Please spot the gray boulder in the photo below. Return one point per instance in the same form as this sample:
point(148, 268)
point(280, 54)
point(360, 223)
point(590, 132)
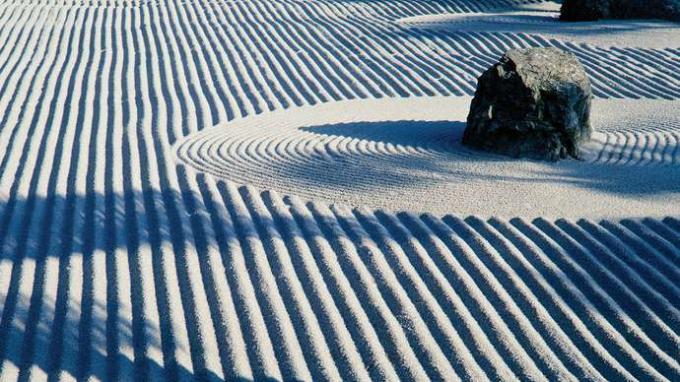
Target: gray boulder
point(534, 103)
point(589, 10)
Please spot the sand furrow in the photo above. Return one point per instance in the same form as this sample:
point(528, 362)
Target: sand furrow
point(323, 221)
point(318, 150)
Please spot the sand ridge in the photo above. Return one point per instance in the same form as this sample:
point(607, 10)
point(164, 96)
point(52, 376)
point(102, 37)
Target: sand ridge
point(406, 154)
point(543, 20)
point(119, 263)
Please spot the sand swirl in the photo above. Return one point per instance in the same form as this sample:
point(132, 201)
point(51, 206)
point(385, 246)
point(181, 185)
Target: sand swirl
point(118, 264)
point(406, 154)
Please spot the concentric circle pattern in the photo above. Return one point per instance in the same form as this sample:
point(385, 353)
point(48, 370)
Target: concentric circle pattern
point(119, 263)
point(406, 154)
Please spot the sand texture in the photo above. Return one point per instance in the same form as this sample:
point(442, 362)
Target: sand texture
point(207, 190)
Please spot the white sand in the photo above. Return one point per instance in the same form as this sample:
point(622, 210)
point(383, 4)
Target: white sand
point(543, 20)
point(406, 155)
point(117, 262)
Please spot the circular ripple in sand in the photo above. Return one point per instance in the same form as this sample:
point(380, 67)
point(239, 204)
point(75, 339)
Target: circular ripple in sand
point(405, 154)
point(544, 21)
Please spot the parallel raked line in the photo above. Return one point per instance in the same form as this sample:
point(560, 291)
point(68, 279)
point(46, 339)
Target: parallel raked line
point(116, 264)
point(23, 268)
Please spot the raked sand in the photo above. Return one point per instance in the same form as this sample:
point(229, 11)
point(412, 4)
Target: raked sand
point(406, 155)
point(543, 19)
point(165, 213)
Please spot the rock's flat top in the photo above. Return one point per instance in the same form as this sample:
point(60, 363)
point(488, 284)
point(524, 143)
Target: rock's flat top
point(547, 67)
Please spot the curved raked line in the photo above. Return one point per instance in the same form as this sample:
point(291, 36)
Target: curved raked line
point(116, 263)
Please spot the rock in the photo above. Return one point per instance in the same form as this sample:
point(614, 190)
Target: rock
point(534, 103)
point(585, 10)
point(589, 10)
